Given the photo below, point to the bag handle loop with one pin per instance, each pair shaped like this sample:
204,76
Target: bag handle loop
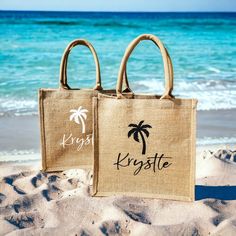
64,60
168,67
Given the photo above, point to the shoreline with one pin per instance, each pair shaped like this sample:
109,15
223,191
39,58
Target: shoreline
35,158
212,123
20,135
216,123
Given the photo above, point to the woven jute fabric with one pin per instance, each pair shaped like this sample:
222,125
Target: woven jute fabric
144,145
65,142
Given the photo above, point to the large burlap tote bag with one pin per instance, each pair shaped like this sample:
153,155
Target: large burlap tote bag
145,144
66,120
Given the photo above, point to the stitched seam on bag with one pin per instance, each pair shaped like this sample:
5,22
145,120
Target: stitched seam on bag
176,107
144,96
59,169
95,147
43,138
193,154
145,195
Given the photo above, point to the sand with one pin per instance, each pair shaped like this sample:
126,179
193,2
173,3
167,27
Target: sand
36,203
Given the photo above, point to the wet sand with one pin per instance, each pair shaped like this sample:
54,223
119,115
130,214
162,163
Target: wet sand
22,133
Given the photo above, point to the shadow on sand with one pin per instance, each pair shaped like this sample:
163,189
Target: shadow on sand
217,192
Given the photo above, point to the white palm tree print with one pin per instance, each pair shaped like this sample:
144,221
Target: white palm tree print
79,116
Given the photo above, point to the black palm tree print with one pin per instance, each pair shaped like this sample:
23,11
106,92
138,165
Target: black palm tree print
139,130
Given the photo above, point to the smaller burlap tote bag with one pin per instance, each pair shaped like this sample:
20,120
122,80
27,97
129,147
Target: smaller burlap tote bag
144,145
66,120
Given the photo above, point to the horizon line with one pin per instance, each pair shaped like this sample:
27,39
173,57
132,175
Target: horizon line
85,11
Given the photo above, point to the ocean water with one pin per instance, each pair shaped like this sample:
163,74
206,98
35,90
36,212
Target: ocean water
202,47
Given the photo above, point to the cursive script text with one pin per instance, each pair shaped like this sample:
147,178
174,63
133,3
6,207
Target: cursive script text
68,140
155,162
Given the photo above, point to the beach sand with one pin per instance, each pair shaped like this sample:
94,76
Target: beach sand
36,203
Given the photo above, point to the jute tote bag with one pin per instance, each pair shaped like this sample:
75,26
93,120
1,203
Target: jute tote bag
66,120
145,144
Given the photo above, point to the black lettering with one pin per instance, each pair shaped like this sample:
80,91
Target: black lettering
140,163
155,162
119,161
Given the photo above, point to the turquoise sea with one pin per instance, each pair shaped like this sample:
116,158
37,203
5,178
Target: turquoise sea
202,47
